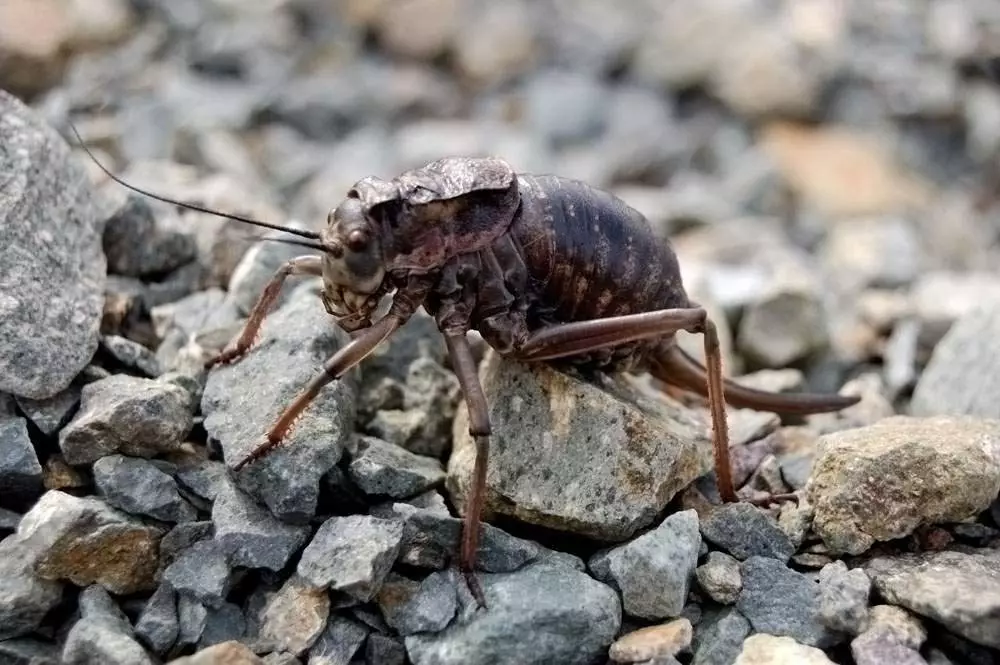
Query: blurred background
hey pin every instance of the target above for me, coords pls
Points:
(827, 170)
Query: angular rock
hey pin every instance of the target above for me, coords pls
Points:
(136, 246)
(897, 625)
(881, 482)
(50, 414)
(242, 401)
(384, 649)
(227, 653)
(961, 376)
(645, 644)
(257, 266)
(744, 531)
(20, 472)
(28, 651)
(548, 430)
(959, 590)
(50, 312)
(787, 326)
(295, 616)
(201, 572)
(157, 624)
(180, 538)
(779, 650)
(137, 486)
(873, 648)
(102, 634)
(251, 536)
(782, 602)
(654, 572)
(719, 637)
(132, 415)
(131, 355)
(222, 624)
(843, 604)
(25, 598)
(385, 469)
(351, 555)
(542, 613)
(339, 642)
(411, 607)
(720, 578)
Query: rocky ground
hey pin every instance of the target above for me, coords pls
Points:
(827, 172)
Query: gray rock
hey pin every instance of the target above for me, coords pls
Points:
(136, 246)
(157, 624)
(565, 107)
(192, 617)
(785, 327)
(718, 638)
(339, 642)
(411, 607)
(874, 648)
(782, 602)
(295, 616)
(959, 590)
(961, 376)
(720, 578)
(243, 400)
(384, 649)
(51, 413)
(542, 613)
(135, 416)
(132, 355)
(879, 252)
(204, 478)
(351, 555)
(549, 427)
(102, 634)
(181, 537)
(897, 625)
(195, 313)
(222, 624)
(744, 531)
(843, 604)
(28, 651)
(496, 42)
(385, 469)
(25, 598)
(20, 472)
(258, 265)
(51, 308)
(251, 536)
(654, 572)
(8, 522)
(201, 572)
(779, 650)
(881, 482)
(137, 486)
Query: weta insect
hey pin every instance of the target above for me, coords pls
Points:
(546, 269)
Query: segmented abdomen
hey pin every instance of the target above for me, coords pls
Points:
(589, 254)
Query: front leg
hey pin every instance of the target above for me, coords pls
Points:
(301, 265)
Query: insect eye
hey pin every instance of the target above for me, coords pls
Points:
(357, 240)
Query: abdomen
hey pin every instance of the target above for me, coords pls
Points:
(590, 255)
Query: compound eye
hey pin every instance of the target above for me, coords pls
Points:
(357, 240)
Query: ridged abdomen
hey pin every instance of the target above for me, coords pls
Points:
(590, 255)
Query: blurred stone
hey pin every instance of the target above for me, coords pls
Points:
(496, 41)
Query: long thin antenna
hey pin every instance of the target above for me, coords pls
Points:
(312, 235)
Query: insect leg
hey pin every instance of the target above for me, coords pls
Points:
(301, 265)
(479, 427)
(337, 366)
(583, 336)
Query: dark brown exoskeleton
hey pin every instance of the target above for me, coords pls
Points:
(544, 268)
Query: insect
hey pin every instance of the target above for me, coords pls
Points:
(544, 268)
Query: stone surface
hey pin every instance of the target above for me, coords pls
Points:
(50, 311)
(132, 415)
(382, 468)
(543, 613)
(157, 624)
(719, 637)
(418, 607)
(745, 531)
(666, 640)
(295, 616)
(778, 650)
(961, 376)
(720, 578)
(201, 572)
(843, 604)
(339, 642)
(881, 482)
(654, 572)
(961, 591)
(547, 430)
(102, 634)
(20, 472)
(242, 400)
(136, 486)
(226, 653)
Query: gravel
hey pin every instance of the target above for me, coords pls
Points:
(825, 173)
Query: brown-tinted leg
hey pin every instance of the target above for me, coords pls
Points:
(338, 365)
(302, 265)
(581, 337)
(464, 365)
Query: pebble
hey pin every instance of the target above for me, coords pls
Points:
(719, 637)
(411, 607)
(351, 555)
(102, 634)
(745, 531)
(222, 624)
(872, 648)
(226, 653)
(385, 469)
(779, 650)
(51, 310)
(881, 482)
(782, 329)
(201, 572)
(547, 429)
(132, 415)
(720, 578)
(543, 613)
(665, 640)
(131, 355)
(50, 414)
(20, 472)
(897, 624)
(295, 616)
(137, 246)
(959, 590)
(157, 624)
(655, 571)
(843, 604)
(242, 400)
(137, 486)
(339, 642)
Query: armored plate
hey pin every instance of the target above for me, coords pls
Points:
(439, 180)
